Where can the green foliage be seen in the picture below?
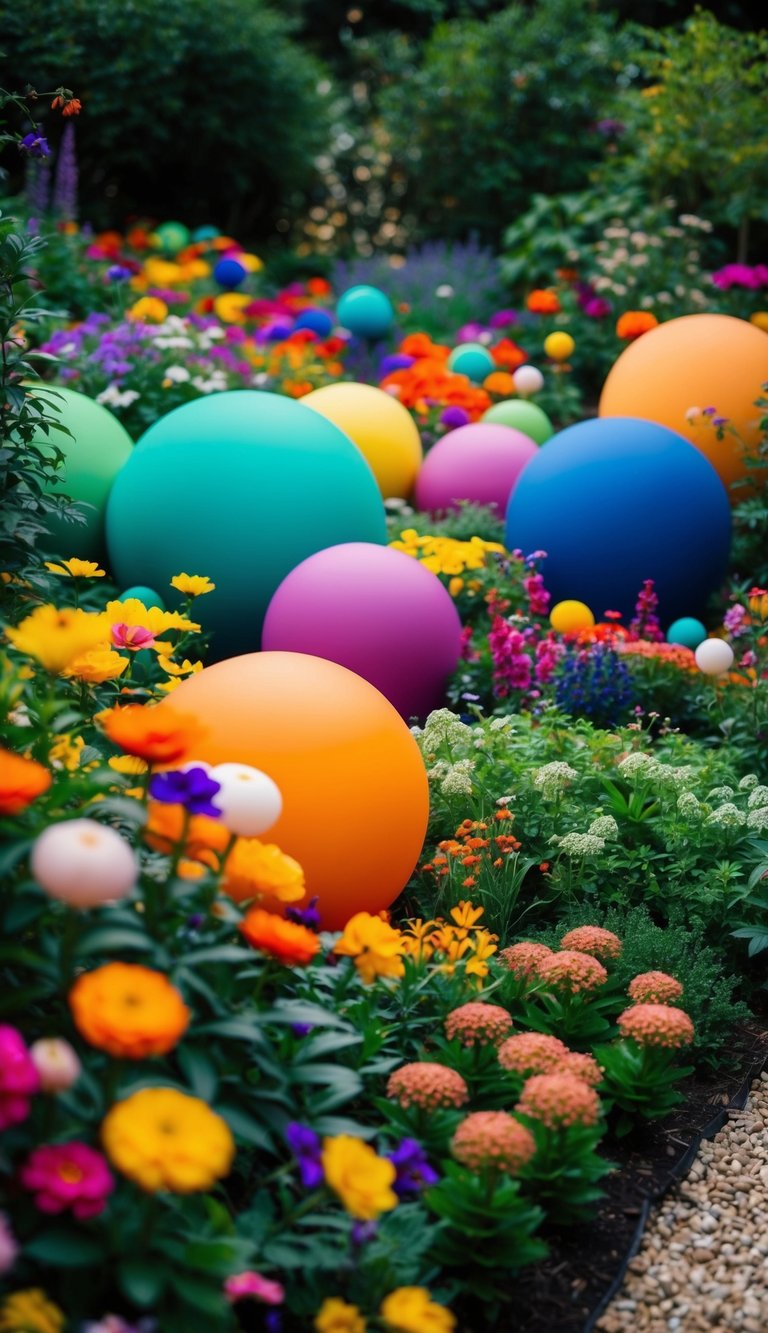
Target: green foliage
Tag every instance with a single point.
(564, 1174)
(639, 1082)
(488, 1229)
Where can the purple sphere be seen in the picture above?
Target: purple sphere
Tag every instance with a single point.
(376, 611)
(479, 463)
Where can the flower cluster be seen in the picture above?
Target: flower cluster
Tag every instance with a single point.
(492, 1139)
(656, 1025)
(478, 1024)
(571, 972)
(427, 1085)
(594, 940)
(654, 988)
(558, 1101)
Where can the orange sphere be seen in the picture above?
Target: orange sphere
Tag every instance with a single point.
(353, 782)
(696, 361)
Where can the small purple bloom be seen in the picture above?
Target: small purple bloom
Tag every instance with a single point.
(35, 144)
(363, 1232)
(192, 788)
(597, 308)
(413, 1170)
(397, 361)
(612, 129)
(469, 333)
(118, 273)
(502, 319)
(305, 1145)
(454, 416)
(305, 916)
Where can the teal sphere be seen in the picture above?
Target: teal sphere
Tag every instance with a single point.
(172, 237)
(687, 631)
(472, 360)
(240, 486)
(365, 311)
(146, 595)
(206, 233)
(522, 415)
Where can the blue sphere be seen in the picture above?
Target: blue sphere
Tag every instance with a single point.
(365, 311)
(687, 632)
(472, 360)
(614, 501)
(318, 321)
(230, 273)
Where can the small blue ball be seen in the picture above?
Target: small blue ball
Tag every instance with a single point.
(229, 273)
(365, 311)
(146, 595)
(472, 360)
(318, 321)
(687, 632)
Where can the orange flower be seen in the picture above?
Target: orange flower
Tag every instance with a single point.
(318, 287)
(156, 734)
(288, 942)
(500, 383)
(507, 354)
(633, 323)
(128, 1010)
(543, 301)
(204, 836)
(21, 782)
(254, 868)
(70, 106)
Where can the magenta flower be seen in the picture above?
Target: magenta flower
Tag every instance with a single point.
(252, 1285)
(133, 637)
(18, 1077)
(8, 1246)
(736, 275)
(68, 1176)
(597, 307)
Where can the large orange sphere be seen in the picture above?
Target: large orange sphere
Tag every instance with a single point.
(696, 361)
(353, 782)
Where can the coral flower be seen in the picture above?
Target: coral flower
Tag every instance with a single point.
(21, 782)
(128, 1010)
(18, 1077)
(133, 637)
(571, 972)
(254, 868)
(477, 1024)
(286, 941)
(427, 1085)
(151, 732)
(558, 1101)
(412, 1310)
(654, 987)
(492, 1138)
(593, 940)
(375, 946)
(336, 1316)
(583, 1066)
(524, 958)
(68, 1176)
(633, 323)
(30, 1311)
(543, 301)
(656, 1025)
(361, 1179)
(204, 836)
(164, 1140)
(70, 106)
(530, 1053)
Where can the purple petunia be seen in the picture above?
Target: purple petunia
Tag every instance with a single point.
(413, 1170)
(305, 916)
(35, 144)
(306, 1147)
(191, 787)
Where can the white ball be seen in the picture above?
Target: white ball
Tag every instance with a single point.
(527, 381)
(714, 657)
(83, 863)
(250, 802)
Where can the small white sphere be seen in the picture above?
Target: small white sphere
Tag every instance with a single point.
(714, 657)
(83, 863)
(56, 1063)
(527, 381)
(250, 802)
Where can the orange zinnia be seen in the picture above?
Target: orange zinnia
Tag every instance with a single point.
(153, 732)
(21, 782)
(204, 836)
(507, 354)
(499, 382)
(128, 1010)
(543, 301)
(287, 941)
(633, 323)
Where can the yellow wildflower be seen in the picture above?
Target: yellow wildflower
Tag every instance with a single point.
(192, 585)
(455, 586)
(30, 1311)
(128, 763)
(335, 1316)
(230, 307)
(77, 569)
(172, 668)
(55, 638)
(149, 310)
(465, 915)
(760, 319)
(65, 752)
(412, 1310)
(375, 946)
(134, 612)
(97, 665)
(484, 945)
(359, 1177)
(170, 684)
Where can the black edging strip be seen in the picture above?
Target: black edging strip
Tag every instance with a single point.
(676, 1174)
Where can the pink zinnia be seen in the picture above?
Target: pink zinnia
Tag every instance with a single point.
(252, 1285)
(133, 637)
(68, 1176)
(18, 1077)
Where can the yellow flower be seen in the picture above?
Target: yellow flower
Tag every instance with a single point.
(411, 1310)
(484, 945)
(559, 346)
(55, 638)
(192, 585)
(164, 1140)
(134, 612)
(374, 945)
(253, 868)
(171, 684)
(77, 569)
(149, 310)
(465, 915)
(455, 586)
(251, 263)
(162, 273)
(97, 665)
(128, 763)
(172, 668)
(230, 307)
(65, 752)
(335, 1316)
(30, 1311)
(361, 1179)
(760, 319)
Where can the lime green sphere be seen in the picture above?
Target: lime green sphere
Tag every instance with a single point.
(522, 416)
(171, 237)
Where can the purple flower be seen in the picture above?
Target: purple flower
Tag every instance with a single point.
(363, 1232)
(502, 319)
(597, 308)
(736, 620)
(305, 1145)
(305, 916)
(397, 361)
(191, 787)
(453, 417)
(34, 144)
(118, 273)
(413, 1170)
(469, 333)
(612, 129)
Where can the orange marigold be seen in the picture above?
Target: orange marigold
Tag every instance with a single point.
(633, 323)
(255, 868)
(523, 959)
(492, 1138)
(543, 301)
(530, 1053)
(572, 972)
(656, 987)
(287, 941)
(558, 1101)
(21, 782)
(478, 1024)
(154, 732)
(594, 940)
(507, 354)
(128, 1010)
(656, 1025)
(427, 1085)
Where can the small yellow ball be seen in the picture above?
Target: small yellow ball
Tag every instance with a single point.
(570, 617)
(559, 346)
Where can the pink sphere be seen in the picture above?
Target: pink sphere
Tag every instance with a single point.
(480, 463)
(376, 611)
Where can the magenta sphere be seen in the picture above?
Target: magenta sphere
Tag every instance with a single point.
(480, 463)
(376, 611)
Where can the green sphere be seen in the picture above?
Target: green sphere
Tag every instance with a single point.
(94, 453)
(522, 416)
(171, 237)
(240, 486)
(147, 596)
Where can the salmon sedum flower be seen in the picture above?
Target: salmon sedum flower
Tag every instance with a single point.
(593, 940)
(558, 1101)
(492, 1139)
(427, 1085)
(478, 1024)
(524, 958)
(571, 972)
(654, 987)
(656, 1025)
(361, 1179)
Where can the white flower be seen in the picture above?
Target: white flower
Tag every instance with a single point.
(749, 781)
(249, 800)
(444, 290)
(177, 374)
(112, 396)
(758, 796)
(689, 805)
(56, 1063)
(443, 726)
(667, 775)
(727, 816)
(175, 340)
(498, 723)
(457, 781)
(604, 826)
(505, 801)
(438, 770)
(581, 844)
(83, 863)
(719, 794)
(637, 763)
(555, 774)
(757, 820)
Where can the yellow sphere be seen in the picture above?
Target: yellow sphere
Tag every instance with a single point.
(558, 346)
(383, 430)
(570, 617)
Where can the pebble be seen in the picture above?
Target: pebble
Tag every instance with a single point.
(703, 1264)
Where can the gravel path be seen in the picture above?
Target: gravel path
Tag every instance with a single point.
(703, 1263)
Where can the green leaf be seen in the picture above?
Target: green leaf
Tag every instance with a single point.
(64, 1247)
(221, 953)
(141, 1281)
(245, 1128)
(198, 1067)
(110, 939)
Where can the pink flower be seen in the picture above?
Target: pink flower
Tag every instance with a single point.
(524, 958)
(495, 1139)
(56, 1063)
(427, 1085)
(737, 275)
(18, 1077)
(559, 1100)
(8, 1247)
(656, 1025)
(478, 1024)
(68, 1176)
(511, 666)
(133, 637)
(593, 940)
(244, 1285)
(654, 988)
